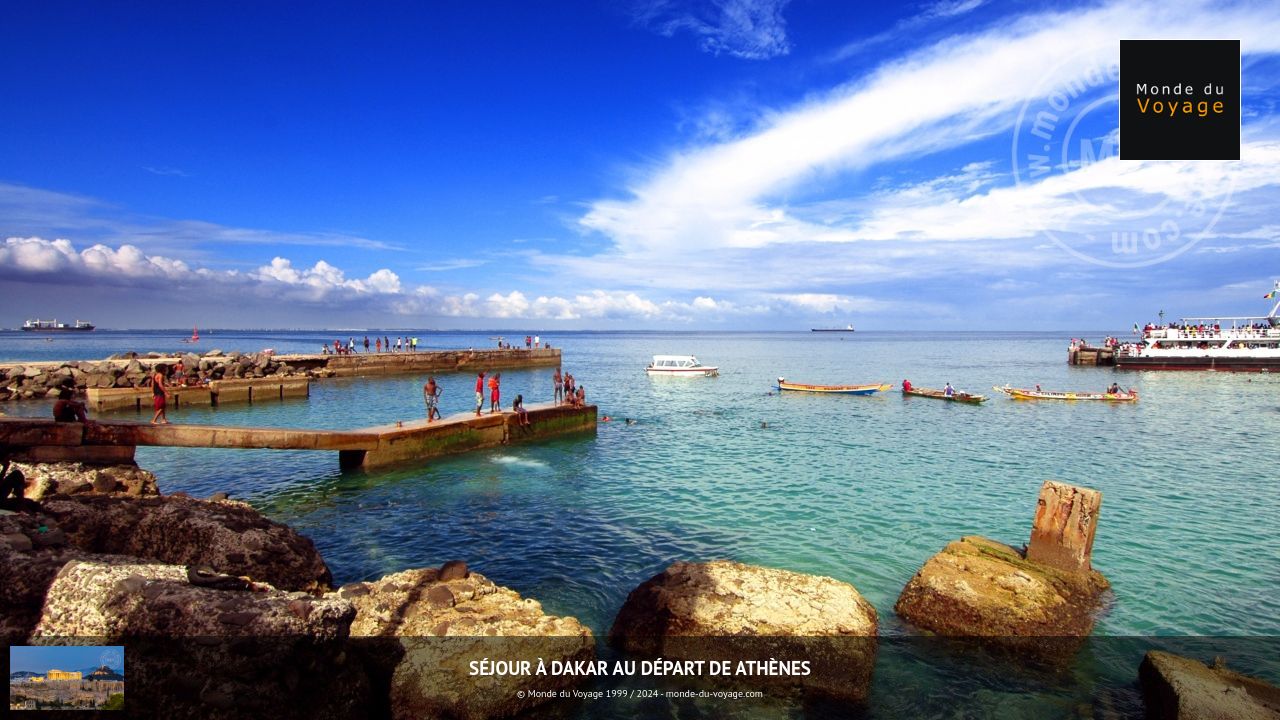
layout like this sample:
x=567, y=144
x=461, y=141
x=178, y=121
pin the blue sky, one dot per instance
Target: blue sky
x=722, y=164
x=41, y=659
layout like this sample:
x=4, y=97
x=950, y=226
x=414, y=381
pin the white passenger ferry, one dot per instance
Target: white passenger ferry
x=680, y=366
x=1250, y=344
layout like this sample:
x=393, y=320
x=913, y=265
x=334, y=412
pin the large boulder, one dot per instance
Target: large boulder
x=228, y=536
x=32, y=551
x=45, y=479
x=442, y=620
x=980, y=588
x=1179, y=688
x=195, y=651
x=725, y=610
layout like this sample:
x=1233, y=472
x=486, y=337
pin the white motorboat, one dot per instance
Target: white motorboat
x=680, y=366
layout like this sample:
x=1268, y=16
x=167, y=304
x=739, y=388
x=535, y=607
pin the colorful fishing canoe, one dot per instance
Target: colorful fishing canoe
x=1024, y=394
x=957, y=396
x=836, y=389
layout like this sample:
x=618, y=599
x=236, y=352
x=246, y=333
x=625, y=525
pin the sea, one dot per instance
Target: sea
x=861, y=489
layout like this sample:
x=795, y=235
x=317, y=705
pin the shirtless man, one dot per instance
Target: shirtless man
x=431, y=394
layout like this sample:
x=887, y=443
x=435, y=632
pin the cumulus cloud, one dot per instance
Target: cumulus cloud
x=749, y=29
x=34, y=259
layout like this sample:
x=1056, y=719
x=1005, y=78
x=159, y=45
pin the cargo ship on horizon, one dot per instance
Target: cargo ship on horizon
x=44, y=326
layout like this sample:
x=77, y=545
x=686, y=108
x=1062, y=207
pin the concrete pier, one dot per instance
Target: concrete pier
x=39, y=379
x=1088, y=355
x=39, y=440
x=218, y=392
x=435, y=361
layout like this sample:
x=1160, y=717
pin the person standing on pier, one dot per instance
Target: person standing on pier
x=366, y=344
x=377, y=345
x=494, y=394
x=159, y=395
x=479, y=392
x=559, y=389
x=431, y=393
x=536, y=341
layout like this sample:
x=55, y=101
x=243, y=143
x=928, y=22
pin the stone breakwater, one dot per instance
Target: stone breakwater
x=35, y=380
x=225, y=613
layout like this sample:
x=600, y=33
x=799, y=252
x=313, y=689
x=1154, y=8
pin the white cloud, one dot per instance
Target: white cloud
x=35, y=259
x=45, y=212
x=749, y=29
x=723, y=215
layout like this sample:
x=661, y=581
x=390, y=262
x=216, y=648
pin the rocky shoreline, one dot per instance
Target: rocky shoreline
x=39, y=379
x=33, y=381
x=226, y=613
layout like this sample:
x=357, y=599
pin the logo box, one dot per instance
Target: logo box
x=1179, y=99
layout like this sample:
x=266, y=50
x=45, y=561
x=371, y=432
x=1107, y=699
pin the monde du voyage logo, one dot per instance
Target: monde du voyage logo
x=1178, y=103
x=1180, y=99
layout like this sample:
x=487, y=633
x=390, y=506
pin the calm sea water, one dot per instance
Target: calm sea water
x=863, y=489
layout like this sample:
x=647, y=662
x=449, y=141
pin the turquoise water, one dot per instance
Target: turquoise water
x=863, y=489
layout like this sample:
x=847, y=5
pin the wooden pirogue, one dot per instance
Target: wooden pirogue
x=1025, y=394
x=956, y=396
x=836, y=389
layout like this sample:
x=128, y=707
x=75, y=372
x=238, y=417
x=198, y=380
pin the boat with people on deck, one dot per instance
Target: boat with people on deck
x=955, y=396
x=1038, y=394
x=680, y=366
x=1246, y=344
x=835, y=389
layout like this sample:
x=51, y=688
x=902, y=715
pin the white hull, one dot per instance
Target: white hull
x=684, y=372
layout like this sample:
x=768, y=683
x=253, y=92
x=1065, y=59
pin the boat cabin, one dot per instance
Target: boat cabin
x=675, y=362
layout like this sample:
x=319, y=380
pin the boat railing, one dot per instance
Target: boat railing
x=1207, y=334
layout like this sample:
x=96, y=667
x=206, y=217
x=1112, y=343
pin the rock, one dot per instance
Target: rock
x=32, y=372
x=219, y=497
x=1179, y=688
x=453, y=570
x=229, y=537
x=214, y=353
x=17, y=541
x=45, y=479
x=28, y=569
x=725, y=610
x=981, y=588
x=52, y=537
x=252, y=649
x=435, y=641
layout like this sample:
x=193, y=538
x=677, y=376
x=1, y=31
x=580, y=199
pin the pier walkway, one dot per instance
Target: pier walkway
x=40, y=440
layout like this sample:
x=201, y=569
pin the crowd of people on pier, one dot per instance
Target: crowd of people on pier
x=379, y=345
x=408, y=343
x=565, y=391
